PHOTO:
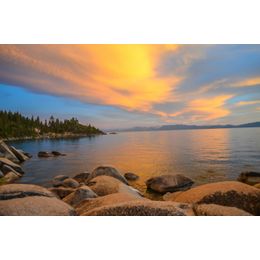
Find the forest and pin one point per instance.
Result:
(15, 125)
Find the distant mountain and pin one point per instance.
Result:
(185, 127)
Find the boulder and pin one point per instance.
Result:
(107, 171)
(257, 185)
(55, 153)
(16, 167)
(21, 156)
(6, 152)
(11, 191)
(80, 194)
(11, 177)
(131, 176)
(169, 183)
(43, 154)
(143, 208)
(217, 210)
(105, 185)
(57, 180)
(89, 204)
(35, 206)
(81, 177)
(70, 183)
(6, 169)
(61, 192)
(250, 178)
(227, 193)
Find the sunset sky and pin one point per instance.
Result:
(120, 86)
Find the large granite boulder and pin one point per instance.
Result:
(105, 185)
(143, 208)
(11, 191)
(250, 178)
(227, 193)
(21, 156)
(107, 171)
(61, 192)
(169, 183)
(80, 194)
(89, 204)
(35, 206)
(5, 161)
(6, 152)
(218, 210)
(81, 177)
(31, 200)
(131, 176)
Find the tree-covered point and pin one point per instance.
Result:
(15, 125)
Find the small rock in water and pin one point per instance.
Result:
(55, 153)
(169, 183)
(43, 154)
(250, 178)
(131, 176)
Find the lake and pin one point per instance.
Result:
(204, 155)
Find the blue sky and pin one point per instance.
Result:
(114, 86)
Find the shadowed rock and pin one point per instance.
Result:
(105, 185)
(57, 180)
(131, 176)
(228, 193)
(112, 199)
(169, 183)
(217, 210)
(79, 195)
(70, 183)
(56, 153)
(16, 167)
(21, 156)
(35, 206)
(6, 152)
(61, 192)
(250, 178)
(143, 208)
(107, 171)
(81, 177)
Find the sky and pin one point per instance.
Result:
(122, 86)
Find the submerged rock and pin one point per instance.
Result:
(169, 183)
(218, 210)
(228, 193)
(250, 178)
(131, 176)
(107, 171)
(143, 208)
(79, 195)
(105, 185)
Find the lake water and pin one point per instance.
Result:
(204, 155)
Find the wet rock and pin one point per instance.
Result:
(43, 154)
(105, 185)
(143, 208)
(79, 195)
(218, 210)
(81, 177)
(227, 193)
(107, 171)
(61, 192)
(131, 176)
(21, 156)
(89, 204)
(70, 183)
(55, 153)
(11, 191)
(250, 178)
(169, 183)
(6, 152)
(16, 167)
(35, 206)
(57, 180)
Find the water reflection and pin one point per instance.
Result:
(204, 155)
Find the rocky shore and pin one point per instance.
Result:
(106, 192)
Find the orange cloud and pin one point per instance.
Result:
(249, 82)
(246, 103)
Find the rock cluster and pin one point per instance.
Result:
(10, 159)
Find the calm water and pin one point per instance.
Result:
(204, 155)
